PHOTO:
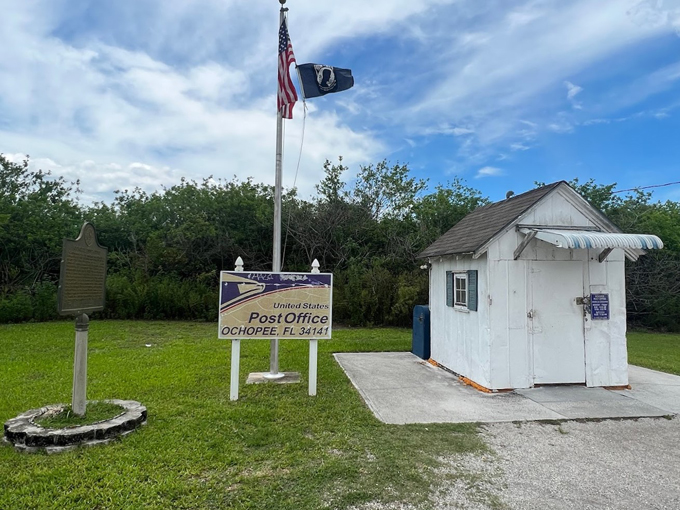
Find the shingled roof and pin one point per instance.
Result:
(475, 229)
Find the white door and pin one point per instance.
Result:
(556, 322)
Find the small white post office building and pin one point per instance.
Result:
(531, 290)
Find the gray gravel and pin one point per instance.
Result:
(628, 464)
(575, 465)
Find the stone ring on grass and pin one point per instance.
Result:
(27, 435)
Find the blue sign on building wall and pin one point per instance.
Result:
(599, 307)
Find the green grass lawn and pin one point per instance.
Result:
(96, 411)
(274, 448)
(658, 351)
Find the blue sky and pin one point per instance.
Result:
(500, 93)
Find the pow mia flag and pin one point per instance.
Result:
(318, 80)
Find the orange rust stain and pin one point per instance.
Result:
(626, 387)
(476, 386)
(433, 362)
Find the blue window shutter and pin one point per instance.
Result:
(449, 288)
(472, 290)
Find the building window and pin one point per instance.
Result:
(460, 289)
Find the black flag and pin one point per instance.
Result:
(319, 80)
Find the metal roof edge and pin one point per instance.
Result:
(598, 218)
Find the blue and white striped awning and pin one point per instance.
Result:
(583, 239)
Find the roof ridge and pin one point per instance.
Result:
(484, 223)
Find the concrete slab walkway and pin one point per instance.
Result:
(402, 388)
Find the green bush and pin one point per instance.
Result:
(44, 301)
(161, 297)
(16, 308)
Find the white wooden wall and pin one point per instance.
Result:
(460, 339)
(493, 346)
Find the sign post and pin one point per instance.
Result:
(268, 305)
(235, 351)
(313, 348)
(82, 289)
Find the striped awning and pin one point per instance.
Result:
(583, 239)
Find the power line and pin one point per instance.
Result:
(647, 187)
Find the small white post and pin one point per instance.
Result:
(235, 362)
(313, 349)
(235, 352)
(79, 398)
(313, 356)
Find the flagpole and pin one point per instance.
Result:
(276, 259)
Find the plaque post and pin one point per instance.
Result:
(79, 400)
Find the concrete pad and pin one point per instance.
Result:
(639, 375)
(401, 388)
(657, 389)
(622, 408)
(567, 394)
(662, 397)
(260, 378)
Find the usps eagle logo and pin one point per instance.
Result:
(325, 77)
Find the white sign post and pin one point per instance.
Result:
(313, 349)
(235, 352)
(263, 305)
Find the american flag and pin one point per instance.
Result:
(286, 95)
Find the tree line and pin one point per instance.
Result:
(166, 248)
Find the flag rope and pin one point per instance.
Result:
(297, 169)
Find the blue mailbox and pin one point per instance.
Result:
(420, 345)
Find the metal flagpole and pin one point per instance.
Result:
(276, 264)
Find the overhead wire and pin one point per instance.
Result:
(647, 187)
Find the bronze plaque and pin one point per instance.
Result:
(82, 278)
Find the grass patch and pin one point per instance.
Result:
(95, 412)
(274, 448)
(658, 351)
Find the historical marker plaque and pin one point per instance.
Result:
(82, 278)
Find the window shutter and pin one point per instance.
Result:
(449, 288)
(472, 290)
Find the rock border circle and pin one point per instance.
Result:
(27, 436)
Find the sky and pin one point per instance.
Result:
(501, 93)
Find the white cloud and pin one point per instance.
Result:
(657, 13)
(572, 90)
(508, 77)
(519, 147)
(458, 131)
(591, 122)
(446, 129)
(186, 88)
(489, 171)
(116, 118)
(560, 127)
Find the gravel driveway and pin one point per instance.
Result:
(628, 464)
(613, 464)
